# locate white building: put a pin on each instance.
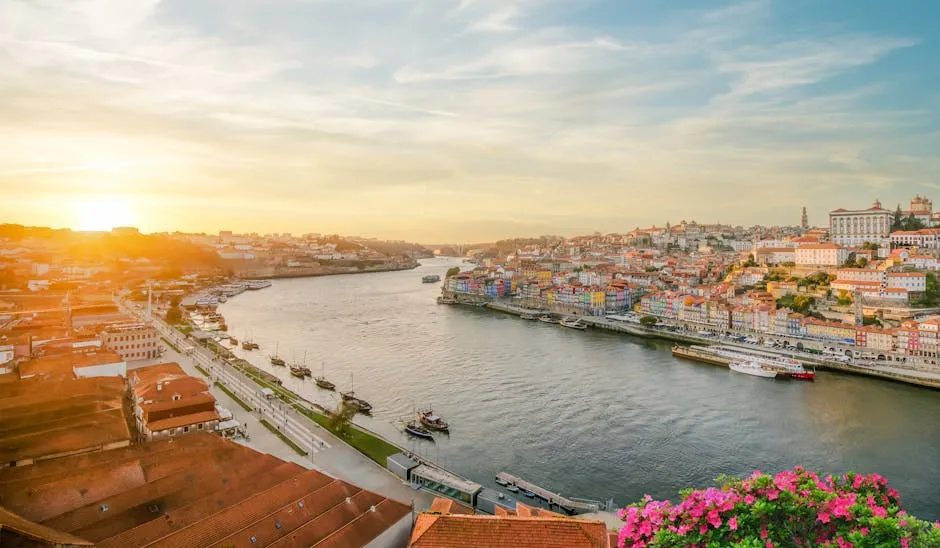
(775, 255)
(135, 341)
(915, 282)
(855, 227)
(927, 238)
(821, 255)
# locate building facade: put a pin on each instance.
(855, 227)
(135, 341)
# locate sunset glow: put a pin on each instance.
(102, 214)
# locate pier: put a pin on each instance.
(572, 506)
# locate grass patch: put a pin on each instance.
(369, 445)
(185, 329)
(171, 345)
(284, 438)
(229, 393)
(203, 371)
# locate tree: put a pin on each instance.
(649, 320)
(341, 419)
(173, 315)
(749, 262)
(845, 298)
(898, 219)
(452, 271)
(862, 262)
(870, 246)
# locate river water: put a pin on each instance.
(584, 413)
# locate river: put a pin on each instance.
(584, 413)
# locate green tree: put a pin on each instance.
(341, 418)
(452, 271)
(862, 262)
(649, 320)
(749, 262)
(898, 221)
(845, 298)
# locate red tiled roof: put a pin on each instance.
(185, 420)
(448, 506)
(453, 531)
(40, 533)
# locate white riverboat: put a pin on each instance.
(573, 323)
(752, 367)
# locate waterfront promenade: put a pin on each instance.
(326, 452)
(871, 368)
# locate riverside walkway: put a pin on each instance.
(573, 506)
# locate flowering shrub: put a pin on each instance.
(793, 508)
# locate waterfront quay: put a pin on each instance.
(681, 334)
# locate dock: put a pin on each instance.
(572, 506)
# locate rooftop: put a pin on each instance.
(459, 531)
(195, 490)
(62, 366)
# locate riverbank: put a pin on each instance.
(279, 272)
(916, 378)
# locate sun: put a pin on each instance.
(102, 214)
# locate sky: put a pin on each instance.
(462, 120)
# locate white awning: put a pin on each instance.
(228, 425)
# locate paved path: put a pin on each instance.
(327, 453)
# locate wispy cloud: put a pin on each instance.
(353, 109)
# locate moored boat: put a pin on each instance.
(432, 421)
(529, 494)
(350, 399)
(324, 384)
(502, 482)
(548, 318)
(416, 429)
(233, 341)
(277, 361)
(297, 371)
(258, 284)
(752, 368)
(430, 279)
(573, 323)
(528, 316)
(512, 489)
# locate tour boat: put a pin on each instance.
(321, 380)
(573, 323)
(350, 399)
(752, 368)
(432, 421)
(547, 318)
(431, 278)
(258, 284)
(275, 359)
(416, 429)
(297, 371)
(501, 482)
(512, 489)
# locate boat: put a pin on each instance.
(528, 316)
(416, 429)
(786, 368)
(752, 368)
(233, 341)
(297, 371)
(502, 482)
(432, 421)
(275, 359)
(547, 318)
(512, 489)
(529, 494)
(573, 323)
(430, 279)
(447, 300)
(322, 382)
(254, 285)
(247, 345)
(350, 399)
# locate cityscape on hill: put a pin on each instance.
(469, 274)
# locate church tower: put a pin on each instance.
(804, 220)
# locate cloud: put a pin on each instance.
(370, 113)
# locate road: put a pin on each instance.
(326, 452)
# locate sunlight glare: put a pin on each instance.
(102, 214)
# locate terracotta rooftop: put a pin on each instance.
(34, 532)
(195, 490)
(184, 420)
(47, 418)
(449, 506)
(62, 366)
(459, 531)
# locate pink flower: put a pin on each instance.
(769, 544)
(773, 494)
(857, 482)
(843, 543)
(905, 542)
(878, 511)
(749, 499)
(763, 531)
(903, 523)
(863, 531)
(714, 519)
(733, 523)
(823, 517)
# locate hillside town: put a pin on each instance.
(864, 284)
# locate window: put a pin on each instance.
(200, 426)
(185, 429)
